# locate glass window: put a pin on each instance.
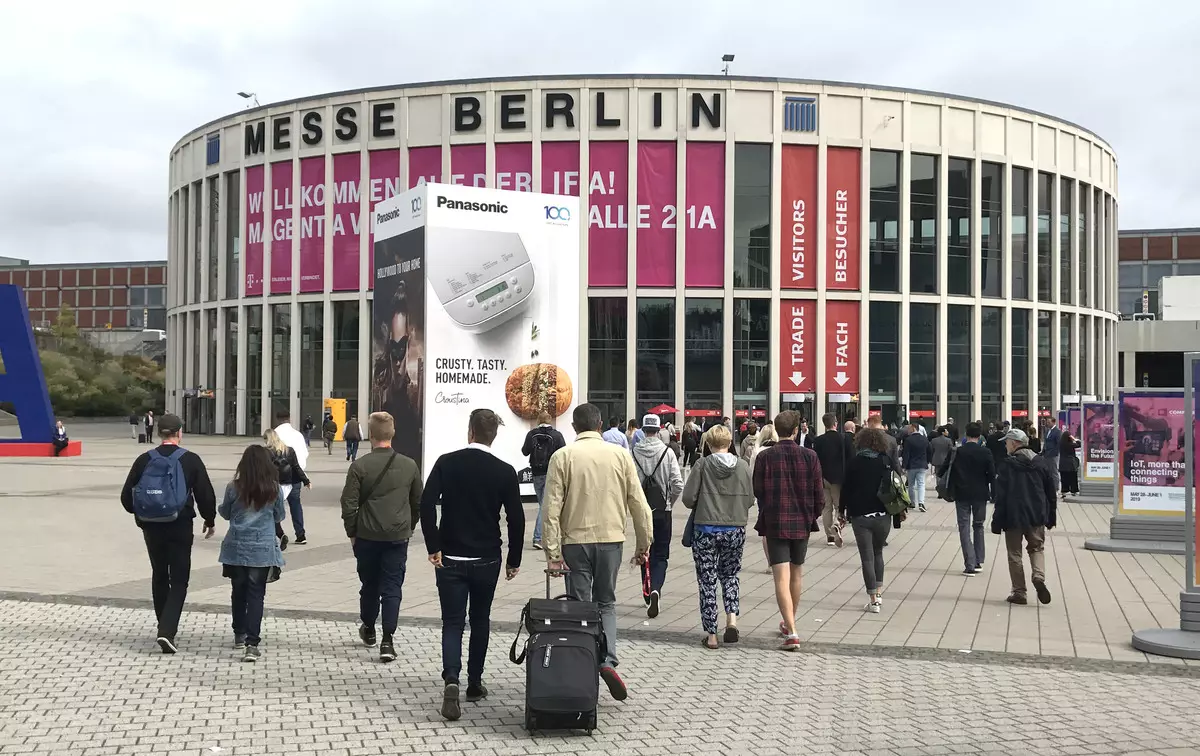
(1045, 254)
(655, 353)
(184, 204)
(751, 351)
(884, 360)
(233, 233)
(1155, 273)
(312, 348)
(156, 296)
(703, 343)
(922, 234)
(959, 363)
(137, 317)
(608, 331)
(1130, 273)
(1066, 293)
(922, 355)
(991, 363)
(194, 339)
(214, 236)
(1067, 384)
(254, 352)
(1020, 358)
(281, 358)
(1187, 269)
(991, 230)
(1084, 225)
(1020, 233)
(1098, 262)
(197, 209)
(884, 227)
(210, 377)
(345, 354)
(1129, 301)
(137, 296)
(1045, 362)
(156, 318)
(229, 380)
(752, 216)
(958, 231)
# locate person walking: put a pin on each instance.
(690, 443)
(1051, 439)
(614, 434)
(720, 491)
(309, 425)
(295, 441)
(471, 486)
(860, 505)
(662, 483)
(767, 437)
(329, 434)
(876, 422)
(148, 422)
(996, 445)
(749, 442)
(133, 426)
(834, 451)
(254, 505)
(290, 473)
(165, 488)
(1026, 507)
(540, 444)
(972, 471)
(915, 455)
(940, 448)
(788, 487)
(1068, 464)
(352, 434)
(381, 504)
(592, 489)
(804, 437)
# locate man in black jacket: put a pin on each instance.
(834, 450)
(169, 544)
(471, 485)
(914, 452)
(972, 476)
(540, 444)
(1026, 505)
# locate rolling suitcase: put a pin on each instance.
(141, 438)
(562, 662)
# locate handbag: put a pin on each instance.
(689, 530)
(945, 486)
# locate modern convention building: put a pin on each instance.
(752, 244)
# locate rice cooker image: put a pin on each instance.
(482, 278)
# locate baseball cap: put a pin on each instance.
(651, 421)
(1016, 435)
(169, 425)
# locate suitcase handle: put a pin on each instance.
(513, 656)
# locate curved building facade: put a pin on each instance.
(752, 244)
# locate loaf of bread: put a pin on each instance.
(531, 389)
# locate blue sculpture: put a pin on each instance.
(22, 382)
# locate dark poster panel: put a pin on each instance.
(398, 337)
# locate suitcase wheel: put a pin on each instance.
(591, 724)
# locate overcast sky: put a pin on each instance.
(95, 94)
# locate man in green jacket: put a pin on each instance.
(381, 504)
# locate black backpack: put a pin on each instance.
(656, 497)
(543, 447)
(284, 465)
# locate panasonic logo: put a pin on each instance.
(479, 207)
(389, 215)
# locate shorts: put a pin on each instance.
(781, 550)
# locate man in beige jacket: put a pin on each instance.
(592, 488)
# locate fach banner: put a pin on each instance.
(312, 225)
(384, 184)
(347, 220)
(1150, 446)
(704, 192)
(281, 227)
(656, 214)
(843, 208)
(1098, 431)
(468, 165)
(254, 231)
(841, 347)
(798, 196)
(514, 166)
(608, 222)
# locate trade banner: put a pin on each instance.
(312, 225)
(843, 211)
(281, 227)
(656, 214)
(841, 347)
(1150, 452)
(798, 210)
(608, 207)
(424, 165)
(704, 193)
(797, 330)
(514, 166)
(468, 165)
(253, 246)
(347, 220)
(1098, 429)
(384, 183)
(560, 168)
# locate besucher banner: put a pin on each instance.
(1098, 432)
(1150, 450)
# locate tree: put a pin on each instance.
(64, 325)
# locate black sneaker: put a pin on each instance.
(166, 644)
(367, 634)
(239, 640)
(251, 654)
(301, 540)
(652, 608)
(283, 542)
(387, 653)
(830, 541)
(451, 709)
(1043, 593)
(969, 572)
(476, 692)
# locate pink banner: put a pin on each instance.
(385, 182)
(281, 227)
(704, 239)
(656, 214)
(252, 240)
(608, 214)
(347, 220)
(424, 165)
(514, 166)
(468, 165)
(312, 224)
(560, 168)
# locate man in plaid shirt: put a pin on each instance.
(791, 495)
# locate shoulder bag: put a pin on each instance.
(689, 530)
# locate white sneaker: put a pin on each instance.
(872, 607)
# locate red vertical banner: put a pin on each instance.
(514, 166)
(656, 214)
(704, 215)
(468, 165)
(797, 357)
(560, 168)
(424, 165)
(842, 333)
(252, 239)
(608, 214)
(312, 224)
(347, 220)
(798, 211)
(384, 183)
(843, 213)
(282, 203)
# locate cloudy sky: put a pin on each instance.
(95, 94)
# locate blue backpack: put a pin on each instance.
(161, 493)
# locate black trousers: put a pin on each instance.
(169, 546)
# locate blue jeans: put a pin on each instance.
(660, 552)
(916, 487)
(381, 566)
(539, 490)
(293, 502)
(459, 584)
(249, 593)
(351, 450)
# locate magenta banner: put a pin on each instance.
(704, 239)
(1150, 452)
(656, 214)
(281, 227)
(608, 214)
(560, 168)
(385, 183)
(468, 165)
(424, 166)
(514, 166)
(312, 224)
(252, 240)
(347, 220)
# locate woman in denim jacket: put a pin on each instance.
(253, 504)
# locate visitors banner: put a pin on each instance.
(656, 214)
(560, 168)
(1150, 451)
(347, 220)
(424, 165)
(384, 184)
(312, 225)
(841, 347)
(281, 227)
(798, 209)
(843, 210)
(468, 165)
(797, 329)
(1098, 431)
(514, 166)
(253, 244)
(704, 193)
(608, 207)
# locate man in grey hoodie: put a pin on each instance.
(662, 482)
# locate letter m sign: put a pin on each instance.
(22, 383)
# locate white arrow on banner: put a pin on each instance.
(841, 378)
(797, 378)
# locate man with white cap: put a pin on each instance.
(1026, 506)
(662, 483)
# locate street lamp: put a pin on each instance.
(249, 96)
(727, 58)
